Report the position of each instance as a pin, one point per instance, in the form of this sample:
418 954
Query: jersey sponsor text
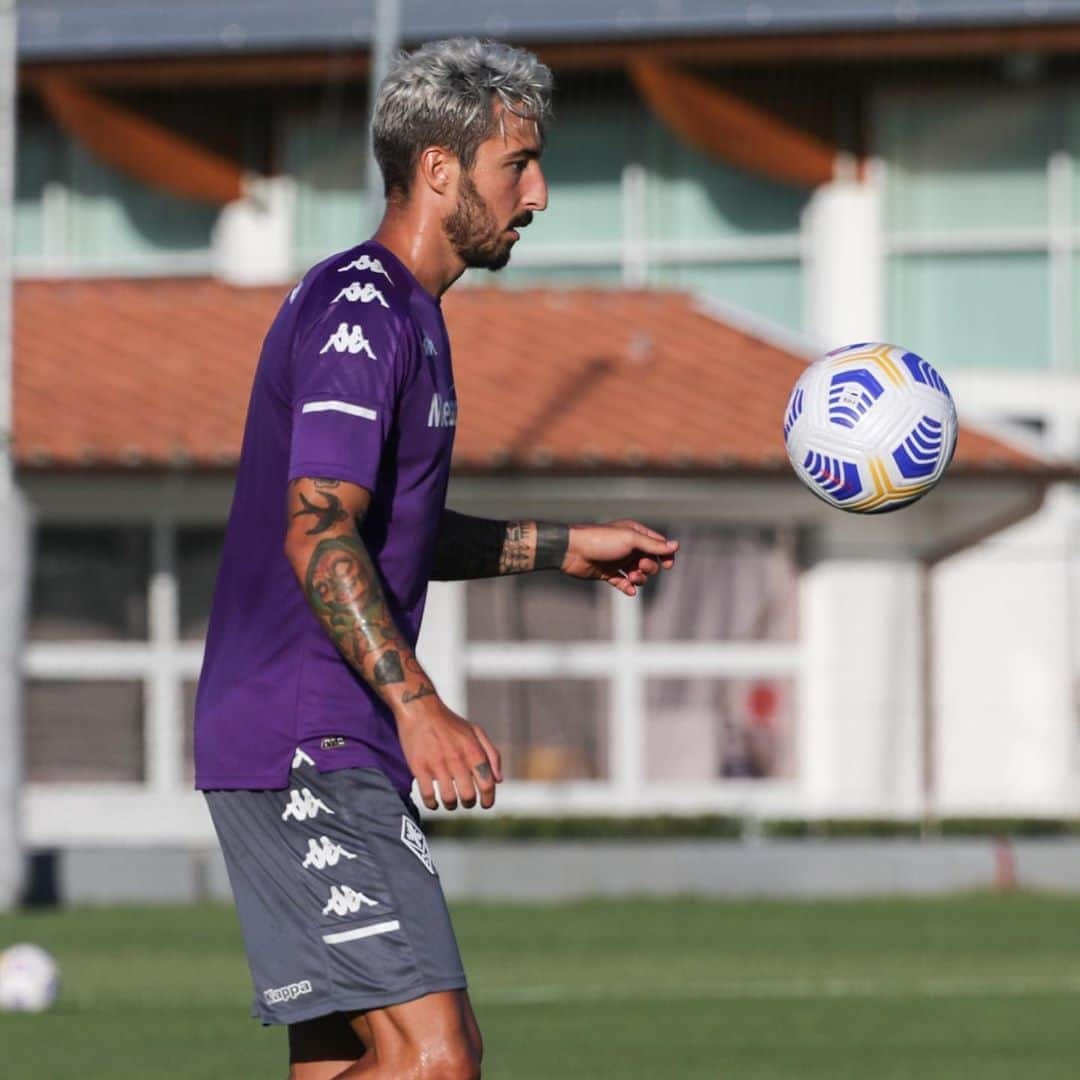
443 412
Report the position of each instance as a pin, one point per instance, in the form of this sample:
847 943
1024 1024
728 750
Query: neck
416 237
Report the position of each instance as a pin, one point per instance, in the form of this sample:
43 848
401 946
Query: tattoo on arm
472 547
343 589
326 517
519 548
552 542
388 669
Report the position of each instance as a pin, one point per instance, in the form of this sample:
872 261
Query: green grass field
972 986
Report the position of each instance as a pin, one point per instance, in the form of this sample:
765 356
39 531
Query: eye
519 165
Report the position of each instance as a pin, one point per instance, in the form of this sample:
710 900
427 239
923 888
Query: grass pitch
972 986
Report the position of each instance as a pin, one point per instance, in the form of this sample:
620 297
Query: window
90 584
692 681
630 204
84 731
73 209
117 619
978 213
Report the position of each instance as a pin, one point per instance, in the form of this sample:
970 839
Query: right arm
344 590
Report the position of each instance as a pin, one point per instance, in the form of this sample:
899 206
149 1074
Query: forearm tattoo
472 547
343 589
326 517
552 542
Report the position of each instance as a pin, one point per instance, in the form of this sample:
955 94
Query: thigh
435 1027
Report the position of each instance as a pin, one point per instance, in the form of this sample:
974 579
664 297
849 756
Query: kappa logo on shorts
412 836
279 995
324 852
300 758
303 805
346 901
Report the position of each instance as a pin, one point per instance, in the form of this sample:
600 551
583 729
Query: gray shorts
340 905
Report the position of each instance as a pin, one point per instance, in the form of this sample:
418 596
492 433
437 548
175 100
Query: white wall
1006 739
861 714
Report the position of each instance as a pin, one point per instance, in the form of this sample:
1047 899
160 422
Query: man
314 715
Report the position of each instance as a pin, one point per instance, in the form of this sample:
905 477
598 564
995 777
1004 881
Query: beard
473 231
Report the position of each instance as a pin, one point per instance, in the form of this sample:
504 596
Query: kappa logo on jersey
346 901
363 294
366 262
293 295
278 995
412 836
324 852
304 805
429 347
348 339
300 758
443 412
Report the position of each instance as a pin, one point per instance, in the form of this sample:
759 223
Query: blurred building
733 186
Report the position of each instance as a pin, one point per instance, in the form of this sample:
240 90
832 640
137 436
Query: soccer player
313 715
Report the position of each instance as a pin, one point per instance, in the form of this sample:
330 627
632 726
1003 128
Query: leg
432 1038
320 1049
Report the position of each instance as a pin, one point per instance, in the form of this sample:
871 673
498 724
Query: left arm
623 553
473 547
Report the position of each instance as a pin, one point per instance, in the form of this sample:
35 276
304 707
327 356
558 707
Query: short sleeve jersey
354 383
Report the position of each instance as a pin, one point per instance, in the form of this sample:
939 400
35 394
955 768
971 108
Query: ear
438 169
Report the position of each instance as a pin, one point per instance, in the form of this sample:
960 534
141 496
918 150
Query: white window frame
164 809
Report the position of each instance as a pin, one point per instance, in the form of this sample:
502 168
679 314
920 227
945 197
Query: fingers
427 791
491 753
467 772
655 544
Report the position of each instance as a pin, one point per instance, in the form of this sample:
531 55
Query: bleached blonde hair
444 94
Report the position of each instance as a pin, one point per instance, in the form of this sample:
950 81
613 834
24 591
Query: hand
625 554
442 747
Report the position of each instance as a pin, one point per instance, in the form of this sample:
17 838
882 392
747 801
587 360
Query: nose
536 195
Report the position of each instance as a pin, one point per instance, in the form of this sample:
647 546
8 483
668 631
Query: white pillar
861 687
253 236
441 648
844 255
13 549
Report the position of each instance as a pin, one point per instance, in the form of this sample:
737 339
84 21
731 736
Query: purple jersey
354 383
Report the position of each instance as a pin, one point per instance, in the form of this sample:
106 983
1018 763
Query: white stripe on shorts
364 931
340 406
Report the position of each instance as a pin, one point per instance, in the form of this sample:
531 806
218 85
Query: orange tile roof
156 373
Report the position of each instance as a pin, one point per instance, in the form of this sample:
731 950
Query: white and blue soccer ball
29 979
870 427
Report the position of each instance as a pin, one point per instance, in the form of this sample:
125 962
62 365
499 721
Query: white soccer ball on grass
29 979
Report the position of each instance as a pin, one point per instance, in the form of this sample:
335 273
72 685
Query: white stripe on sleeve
340 406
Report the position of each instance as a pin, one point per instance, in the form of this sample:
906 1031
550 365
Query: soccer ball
870 427
29 979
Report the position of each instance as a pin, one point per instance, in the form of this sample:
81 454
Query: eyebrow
526 152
